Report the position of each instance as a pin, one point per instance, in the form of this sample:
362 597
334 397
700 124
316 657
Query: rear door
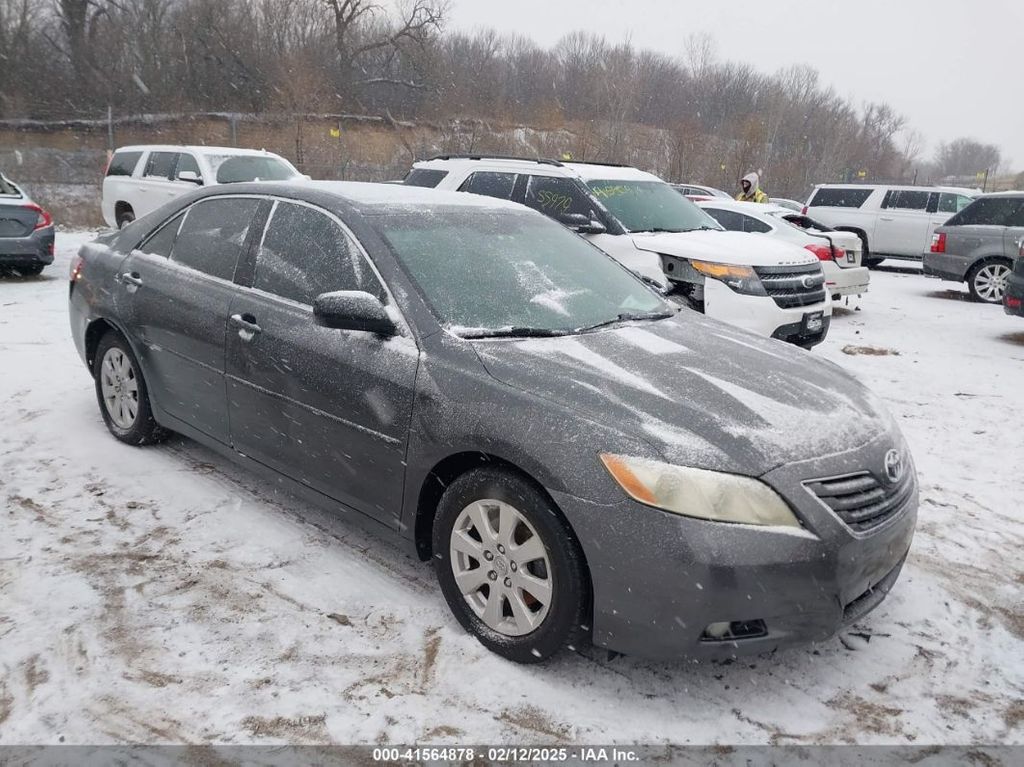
903 227
329 408
174 294
156 186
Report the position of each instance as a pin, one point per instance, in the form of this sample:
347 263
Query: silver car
978 245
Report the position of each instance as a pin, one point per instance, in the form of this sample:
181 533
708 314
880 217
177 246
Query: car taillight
939 242
823 252
76 268
804 213
43 218
1013 303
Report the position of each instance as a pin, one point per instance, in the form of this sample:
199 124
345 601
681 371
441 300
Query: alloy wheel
990 282
120 388
501 567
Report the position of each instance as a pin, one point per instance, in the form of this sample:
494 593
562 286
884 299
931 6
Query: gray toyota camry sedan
579 459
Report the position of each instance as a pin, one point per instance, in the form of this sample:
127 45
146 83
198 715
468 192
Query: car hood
724 247
701 393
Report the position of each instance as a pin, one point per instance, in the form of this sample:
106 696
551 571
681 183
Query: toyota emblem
893 466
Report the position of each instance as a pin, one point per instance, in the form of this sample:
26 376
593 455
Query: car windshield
650 206
505 272
234 168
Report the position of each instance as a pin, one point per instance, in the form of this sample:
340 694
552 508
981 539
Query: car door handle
247 327
132 281
887 218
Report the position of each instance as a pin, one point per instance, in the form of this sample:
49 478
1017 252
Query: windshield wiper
628 317
659 230
513 332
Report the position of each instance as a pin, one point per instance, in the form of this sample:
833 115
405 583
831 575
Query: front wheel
509 566
122 394
987 281
125 217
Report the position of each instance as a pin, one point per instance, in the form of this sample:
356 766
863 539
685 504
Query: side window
161 241
751 224
557 197
213 234
123 163
996 211
948 203
841 197
910 200
305 253
728 219
187 162
161 165
425 177
490 184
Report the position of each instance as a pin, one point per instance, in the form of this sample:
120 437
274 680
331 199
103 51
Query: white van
140 179
891 221
772 288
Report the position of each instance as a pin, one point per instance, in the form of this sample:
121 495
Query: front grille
793 286
861 500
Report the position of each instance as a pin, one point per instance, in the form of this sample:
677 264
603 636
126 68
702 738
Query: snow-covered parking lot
163 595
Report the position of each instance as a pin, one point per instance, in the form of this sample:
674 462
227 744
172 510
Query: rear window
996 211
6 187
123 163
235 169
840 198
425 177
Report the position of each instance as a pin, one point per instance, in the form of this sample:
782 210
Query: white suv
140 179
772 288
891 221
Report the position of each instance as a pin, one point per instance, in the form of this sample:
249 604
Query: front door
329 408
903 227
174 293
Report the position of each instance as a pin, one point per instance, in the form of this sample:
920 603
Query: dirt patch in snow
1013 338
869 351
535 722
300 729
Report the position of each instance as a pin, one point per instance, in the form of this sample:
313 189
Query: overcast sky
952 67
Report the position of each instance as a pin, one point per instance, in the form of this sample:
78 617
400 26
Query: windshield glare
501 269
233 169
646 206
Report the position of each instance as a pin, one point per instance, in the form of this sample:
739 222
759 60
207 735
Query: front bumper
946 266
32 250
761 315
660 579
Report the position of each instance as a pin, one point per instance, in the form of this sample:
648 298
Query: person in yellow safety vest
751 190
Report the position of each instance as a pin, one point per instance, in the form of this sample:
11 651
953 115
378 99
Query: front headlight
699 493
742 279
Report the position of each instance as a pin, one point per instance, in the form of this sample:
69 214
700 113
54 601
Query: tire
510 617
30 271
865 256
125 217
122 394
987 281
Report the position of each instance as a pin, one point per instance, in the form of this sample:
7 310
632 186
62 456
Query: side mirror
582 224
353 310
191 176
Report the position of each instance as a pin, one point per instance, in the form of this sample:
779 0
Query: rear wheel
865 257
125 216
30 271
122 394
987 281
509 566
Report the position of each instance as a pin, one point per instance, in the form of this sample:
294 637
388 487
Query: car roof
583 170
908 187
1007 193
753 208
367 196
197 149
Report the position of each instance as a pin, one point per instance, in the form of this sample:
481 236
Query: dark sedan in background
578 458
26 232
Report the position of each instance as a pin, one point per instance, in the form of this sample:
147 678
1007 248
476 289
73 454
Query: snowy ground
163 595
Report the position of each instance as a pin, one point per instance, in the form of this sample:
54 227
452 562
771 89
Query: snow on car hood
700 392
723 247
